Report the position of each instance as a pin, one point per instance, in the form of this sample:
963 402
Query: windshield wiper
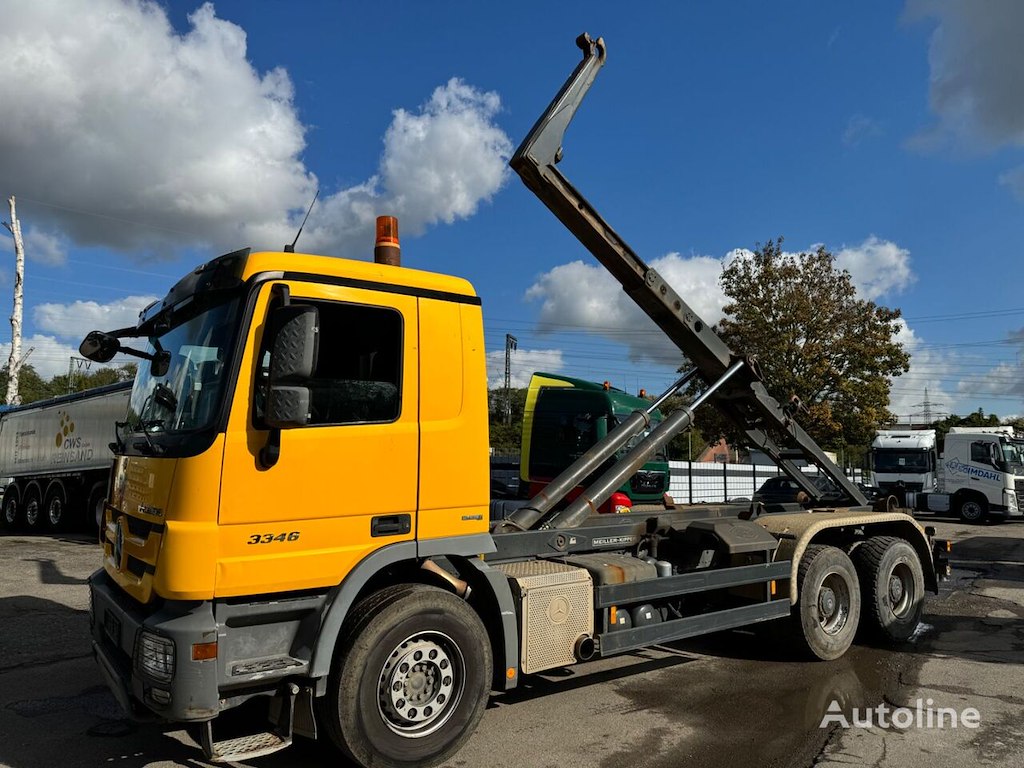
148 446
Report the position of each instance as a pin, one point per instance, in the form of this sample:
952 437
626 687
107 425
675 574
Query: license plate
112 628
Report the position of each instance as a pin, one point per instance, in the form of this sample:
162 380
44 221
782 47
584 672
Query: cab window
358 376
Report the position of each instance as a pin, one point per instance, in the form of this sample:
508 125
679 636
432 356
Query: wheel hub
417 686
895 589
55 511
827 603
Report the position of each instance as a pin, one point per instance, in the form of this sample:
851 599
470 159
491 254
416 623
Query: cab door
984 476
346 483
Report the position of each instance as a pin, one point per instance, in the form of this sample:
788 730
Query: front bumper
116 623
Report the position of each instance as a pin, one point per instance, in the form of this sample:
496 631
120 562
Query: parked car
784 490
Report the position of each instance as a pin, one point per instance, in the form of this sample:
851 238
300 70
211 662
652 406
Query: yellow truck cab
381 464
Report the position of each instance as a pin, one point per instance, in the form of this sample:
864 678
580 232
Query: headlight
154 655
1011 500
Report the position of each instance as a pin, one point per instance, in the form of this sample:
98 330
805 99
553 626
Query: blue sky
141 138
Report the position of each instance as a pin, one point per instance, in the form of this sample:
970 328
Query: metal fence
692 482
697 482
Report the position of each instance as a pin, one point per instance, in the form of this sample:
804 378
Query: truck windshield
910 462
186 398
1013 455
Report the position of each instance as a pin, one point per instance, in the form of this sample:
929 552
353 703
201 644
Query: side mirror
296 330
293 356
99 347
287 406
160 363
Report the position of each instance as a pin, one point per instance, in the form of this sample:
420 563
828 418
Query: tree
688 444
33 387
506 438
975 419
800 316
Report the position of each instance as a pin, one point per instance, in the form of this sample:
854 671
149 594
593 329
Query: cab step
253 745
245 747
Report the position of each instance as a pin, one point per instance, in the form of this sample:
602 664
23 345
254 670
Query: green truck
564 417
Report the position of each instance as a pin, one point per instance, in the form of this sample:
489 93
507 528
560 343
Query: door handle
390 525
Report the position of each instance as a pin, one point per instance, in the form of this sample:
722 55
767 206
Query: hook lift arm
744 399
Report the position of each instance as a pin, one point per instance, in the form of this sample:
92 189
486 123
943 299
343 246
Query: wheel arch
57 483
33 485
845 531
400 563
965 494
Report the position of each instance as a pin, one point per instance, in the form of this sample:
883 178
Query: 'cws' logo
66 432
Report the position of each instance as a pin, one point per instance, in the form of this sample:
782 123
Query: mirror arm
135 353
271 452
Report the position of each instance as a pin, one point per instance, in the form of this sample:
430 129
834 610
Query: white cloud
46 247
167 140
976 87
49 356
580 296
438 166
78 318
522 365
877 267
929 369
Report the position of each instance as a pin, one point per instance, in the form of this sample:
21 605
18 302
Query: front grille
648 481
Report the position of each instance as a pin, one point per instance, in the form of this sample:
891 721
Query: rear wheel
973 509
55 506
11 508
892 586
32 510
411 680
828 605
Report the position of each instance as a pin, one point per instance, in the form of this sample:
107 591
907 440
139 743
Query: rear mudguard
846 528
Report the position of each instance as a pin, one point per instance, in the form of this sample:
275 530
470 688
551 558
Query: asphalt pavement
724 700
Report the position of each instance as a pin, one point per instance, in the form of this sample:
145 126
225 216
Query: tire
32 508
94 506
399 644
10 515
892 588
973 510
55 506
828 604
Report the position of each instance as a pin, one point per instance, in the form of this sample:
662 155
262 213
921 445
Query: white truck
904 458
979 475
56 453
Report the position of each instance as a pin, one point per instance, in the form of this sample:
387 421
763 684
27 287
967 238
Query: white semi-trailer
56 453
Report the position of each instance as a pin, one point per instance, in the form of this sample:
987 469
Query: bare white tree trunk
15 360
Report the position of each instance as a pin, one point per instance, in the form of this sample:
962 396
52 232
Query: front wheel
411 680
828 604
892 585
973 510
